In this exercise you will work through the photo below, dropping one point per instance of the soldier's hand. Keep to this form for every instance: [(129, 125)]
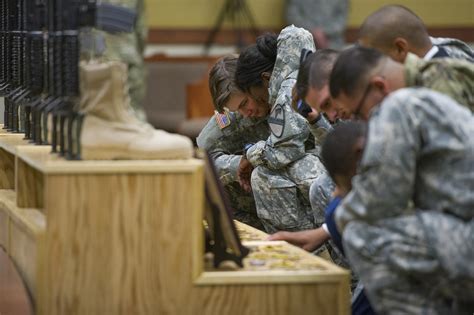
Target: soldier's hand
[(244, 174), (309, 240), (313, 116)]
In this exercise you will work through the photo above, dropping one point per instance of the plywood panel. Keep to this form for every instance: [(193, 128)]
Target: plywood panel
[(4, 229), (129, 237), (26, 229), (273, 300), (7, 170), (7, 205), (29, 186)]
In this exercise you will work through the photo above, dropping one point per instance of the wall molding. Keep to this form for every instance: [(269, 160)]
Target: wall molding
[(229, 37)]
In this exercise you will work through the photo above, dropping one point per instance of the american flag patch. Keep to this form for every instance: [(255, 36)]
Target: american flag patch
[(223, 120)]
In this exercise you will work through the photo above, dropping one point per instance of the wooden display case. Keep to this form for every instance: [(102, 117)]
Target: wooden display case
[(126, 237), (8, 143)]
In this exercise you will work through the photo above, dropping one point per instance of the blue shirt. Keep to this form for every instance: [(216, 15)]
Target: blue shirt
[(331, 222), (360, 304)]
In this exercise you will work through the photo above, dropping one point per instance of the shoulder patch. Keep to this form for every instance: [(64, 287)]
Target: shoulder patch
[(276, 121), (223, 120)]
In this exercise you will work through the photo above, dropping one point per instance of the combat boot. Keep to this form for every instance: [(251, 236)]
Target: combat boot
[(110, 130)]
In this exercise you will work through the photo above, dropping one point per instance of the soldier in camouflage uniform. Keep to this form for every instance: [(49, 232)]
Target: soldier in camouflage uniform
[(325, 19), (283, 170), (225, 144), (128, 47), (407, 224), (311, 92), (395, 30), (227, 133), (452, 77)]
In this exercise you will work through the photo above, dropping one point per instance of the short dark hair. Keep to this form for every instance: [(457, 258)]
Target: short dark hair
[(314, 71), (391, 21), (352, 68), (338, 150), (255, 60)]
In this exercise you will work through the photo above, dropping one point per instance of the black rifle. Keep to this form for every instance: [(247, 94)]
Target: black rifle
[(11, 54), (66, 19), (4, 53), (19, 67), (35, 62)]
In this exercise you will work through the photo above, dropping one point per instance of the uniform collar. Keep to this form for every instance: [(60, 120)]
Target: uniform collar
[(433, 51)]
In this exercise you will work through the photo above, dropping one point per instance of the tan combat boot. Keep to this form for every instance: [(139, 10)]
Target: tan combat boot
[(110, 130)]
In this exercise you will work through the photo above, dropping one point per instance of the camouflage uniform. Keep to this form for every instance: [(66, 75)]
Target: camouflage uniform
[(319, 130), (284, 170), (322, 187), (454, 48), (407, 224), (331, 16), (453, 77), (225, 143), (129, 48)]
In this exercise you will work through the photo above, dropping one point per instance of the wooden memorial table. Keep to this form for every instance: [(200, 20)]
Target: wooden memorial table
[(127, 237)]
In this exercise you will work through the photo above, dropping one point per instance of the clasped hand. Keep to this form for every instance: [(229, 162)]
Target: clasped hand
[(244, 174)]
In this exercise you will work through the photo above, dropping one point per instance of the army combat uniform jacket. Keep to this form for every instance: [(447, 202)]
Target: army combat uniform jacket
[(454, 48), (453, 77), (408, 222)]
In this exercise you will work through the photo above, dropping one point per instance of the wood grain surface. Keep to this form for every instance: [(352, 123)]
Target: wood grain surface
[(29, 183), (23, 234), (4, 229), (126, 237), (7, 170)]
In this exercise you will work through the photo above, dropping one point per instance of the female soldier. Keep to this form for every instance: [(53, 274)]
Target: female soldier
[(279, 170)]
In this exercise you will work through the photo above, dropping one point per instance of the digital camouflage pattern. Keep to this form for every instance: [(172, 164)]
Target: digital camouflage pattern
[(408, 222), (418, 264), (129, 48), (319, 130), (225, 145), (454, 48), (320, 193), (282, 196), (284, 169), (331, 16), (453, 77), (279, 150)]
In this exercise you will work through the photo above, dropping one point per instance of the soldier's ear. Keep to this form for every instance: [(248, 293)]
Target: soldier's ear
[(401, 48), (266, 77), (381, 83), (359, 147)]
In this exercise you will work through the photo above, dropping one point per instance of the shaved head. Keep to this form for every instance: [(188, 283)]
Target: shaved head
[(390, 22)]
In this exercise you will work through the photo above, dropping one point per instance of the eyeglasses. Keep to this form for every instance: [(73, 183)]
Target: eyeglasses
[(368, 88), (362, 101)]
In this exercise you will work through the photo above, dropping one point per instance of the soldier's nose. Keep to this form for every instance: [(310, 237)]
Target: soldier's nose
[(332, 115), (246, 112)]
